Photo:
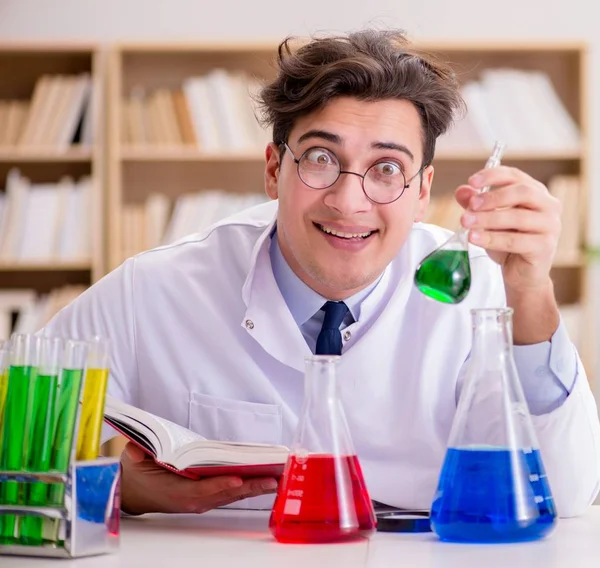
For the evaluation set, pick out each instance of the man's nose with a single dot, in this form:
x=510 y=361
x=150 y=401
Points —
x=346 y=195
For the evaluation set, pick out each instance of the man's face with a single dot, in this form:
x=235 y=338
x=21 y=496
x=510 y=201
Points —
x=359 y=134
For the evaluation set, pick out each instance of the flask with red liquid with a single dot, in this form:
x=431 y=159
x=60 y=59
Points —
x=322 y=496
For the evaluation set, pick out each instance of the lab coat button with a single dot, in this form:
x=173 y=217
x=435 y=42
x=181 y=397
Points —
x=249 y=324
x=347 y=335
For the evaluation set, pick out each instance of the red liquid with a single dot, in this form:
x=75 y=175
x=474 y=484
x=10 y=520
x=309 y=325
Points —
x=322 y=498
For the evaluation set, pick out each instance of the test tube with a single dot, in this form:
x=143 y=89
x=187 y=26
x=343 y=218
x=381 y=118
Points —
x=4 y=364
x=70 y=379
x=41 y=434
x=69 y=390
x=94 y=395
x=22 y=374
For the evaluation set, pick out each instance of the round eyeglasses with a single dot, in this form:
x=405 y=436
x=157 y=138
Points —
x=384 y=182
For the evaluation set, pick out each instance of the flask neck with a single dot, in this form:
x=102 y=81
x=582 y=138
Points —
x=322 y=426
x=492 y=331
x=320 y=380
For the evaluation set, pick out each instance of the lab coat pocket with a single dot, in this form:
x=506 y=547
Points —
x=229 y=419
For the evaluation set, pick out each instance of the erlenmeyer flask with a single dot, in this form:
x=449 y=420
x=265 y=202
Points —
x=492 y=486
x=322 y=496
x=445 y=274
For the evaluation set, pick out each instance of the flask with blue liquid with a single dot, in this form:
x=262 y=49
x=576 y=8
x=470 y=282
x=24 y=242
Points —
x=493 y=485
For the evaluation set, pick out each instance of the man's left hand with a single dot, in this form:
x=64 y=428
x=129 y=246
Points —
x=517 y=222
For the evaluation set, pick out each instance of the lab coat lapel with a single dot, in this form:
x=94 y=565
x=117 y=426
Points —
x=268 y=319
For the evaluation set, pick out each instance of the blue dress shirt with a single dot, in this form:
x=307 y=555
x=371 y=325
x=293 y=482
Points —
x=547 y=370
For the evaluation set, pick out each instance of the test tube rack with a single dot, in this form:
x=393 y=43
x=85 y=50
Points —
x=89 y=517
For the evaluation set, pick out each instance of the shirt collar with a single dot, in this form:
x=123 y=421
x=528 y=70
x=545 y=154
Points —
x=302 y=301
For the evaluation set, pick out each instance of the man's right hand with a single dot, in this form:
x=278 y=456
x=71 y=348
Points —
x=147 y=487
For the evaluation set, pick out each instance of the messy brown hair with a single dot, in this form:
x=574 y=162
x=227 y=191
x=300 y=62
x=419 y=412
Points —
x=369 y=65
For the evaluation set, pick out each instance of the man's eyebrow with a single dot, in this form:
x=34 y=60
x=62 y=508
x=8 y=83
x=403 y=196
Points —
x=323 y=134
x=393 y=146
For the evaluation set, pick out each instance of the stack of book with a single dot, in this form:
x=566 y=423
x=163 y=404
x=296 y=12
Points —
x=213 y=112
x=57 y=115
x=521 y=108
x=46 y=222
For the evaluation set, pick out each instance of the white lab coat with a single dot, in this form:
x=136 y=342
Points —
x=202 y=336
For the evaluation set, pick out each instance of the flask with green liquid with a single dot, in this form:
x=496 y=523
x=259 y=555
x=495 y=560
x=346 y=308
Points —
x=445 y=274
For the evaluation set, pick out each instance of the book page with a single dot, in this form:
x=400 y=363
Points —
x=165 y=436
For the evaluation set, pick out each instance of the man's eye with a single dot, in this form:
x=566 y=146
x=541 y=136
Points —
x=320 y=157
x=388 y=169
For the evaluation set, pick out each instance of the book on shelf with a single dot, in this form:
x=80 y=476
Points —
x=213 y=112
x=46 y=222
x=521 y=108
x=189 y=454
x=56 y=116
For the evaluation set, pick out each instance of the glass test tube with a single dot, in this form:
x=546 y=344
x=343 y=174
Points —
x=4 y=364
x=69 y=391
x=41 y=436
x=94 y=394
x=17 y=418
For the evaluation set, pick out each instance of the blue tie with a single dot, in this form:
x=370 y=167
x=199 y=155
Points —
x=329 y=341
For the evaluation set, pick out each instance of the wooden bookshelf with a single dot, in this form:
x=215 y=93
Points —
x=136 y=171
x=49 y=159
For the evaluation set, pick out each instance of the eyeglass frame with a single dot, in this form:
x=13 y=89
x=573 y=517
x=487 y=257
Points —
x=407 y=182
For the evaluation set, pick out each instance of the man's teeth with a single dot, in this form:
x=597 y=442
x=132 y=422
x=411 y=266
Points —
x=344 y=235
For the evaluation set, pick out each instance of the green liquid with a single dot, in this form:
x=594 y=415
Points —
x=68 y=400
x=40 y=450
x=445 y=276
x=14 y=439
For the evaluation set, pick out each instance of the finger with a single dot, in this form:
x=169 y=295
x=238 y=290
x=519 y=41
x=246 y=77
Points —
x=529 y=196
x=212 y=486
x=464 y=194
x=512 y=242
x=499 y=176
x=249 y=489
x=132 y=453
x=515 y=219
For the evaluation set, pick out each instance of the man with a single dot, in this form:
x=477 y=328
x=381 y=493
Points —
x=212 y=332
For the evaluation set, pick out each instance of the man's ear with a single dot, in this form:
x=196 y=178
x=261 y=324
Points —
x=272 y=157
x=424 y=193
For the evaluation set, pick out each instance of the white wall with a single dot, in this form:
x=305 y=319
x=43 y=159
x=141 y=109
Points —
x=109 y=20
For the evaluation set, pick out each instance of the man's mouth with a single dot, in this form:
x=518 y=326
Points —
x=343 y=234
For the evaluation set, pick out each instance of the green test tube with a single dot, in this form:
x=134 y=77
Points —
x=94 y=395
x=22 y=374
x=41 y=435
x=69 y=390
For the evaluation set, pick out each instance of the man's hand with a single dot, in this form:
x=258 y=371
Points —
x=518 y=223
x=148 y=488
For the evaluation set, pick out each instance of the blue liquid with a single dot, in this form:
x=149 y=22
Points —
x=485 y=496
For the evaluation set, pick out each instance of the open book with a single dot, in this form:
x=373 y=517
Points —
x=189 y=454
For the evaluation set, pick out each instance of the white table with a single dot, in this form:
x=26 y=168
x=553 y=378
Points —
x=241 y=538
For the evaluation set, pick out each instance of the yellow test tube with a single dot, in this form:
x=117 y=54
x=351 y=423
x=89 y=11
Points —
x=94 y=395
x=4 y=364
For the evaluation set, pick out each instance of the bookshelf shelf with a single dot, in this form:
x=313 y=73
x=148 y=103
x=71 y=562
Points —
x=26 y=155
x=132 y=154
x=480 y=156
x=145 y=154
x=46 y=267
